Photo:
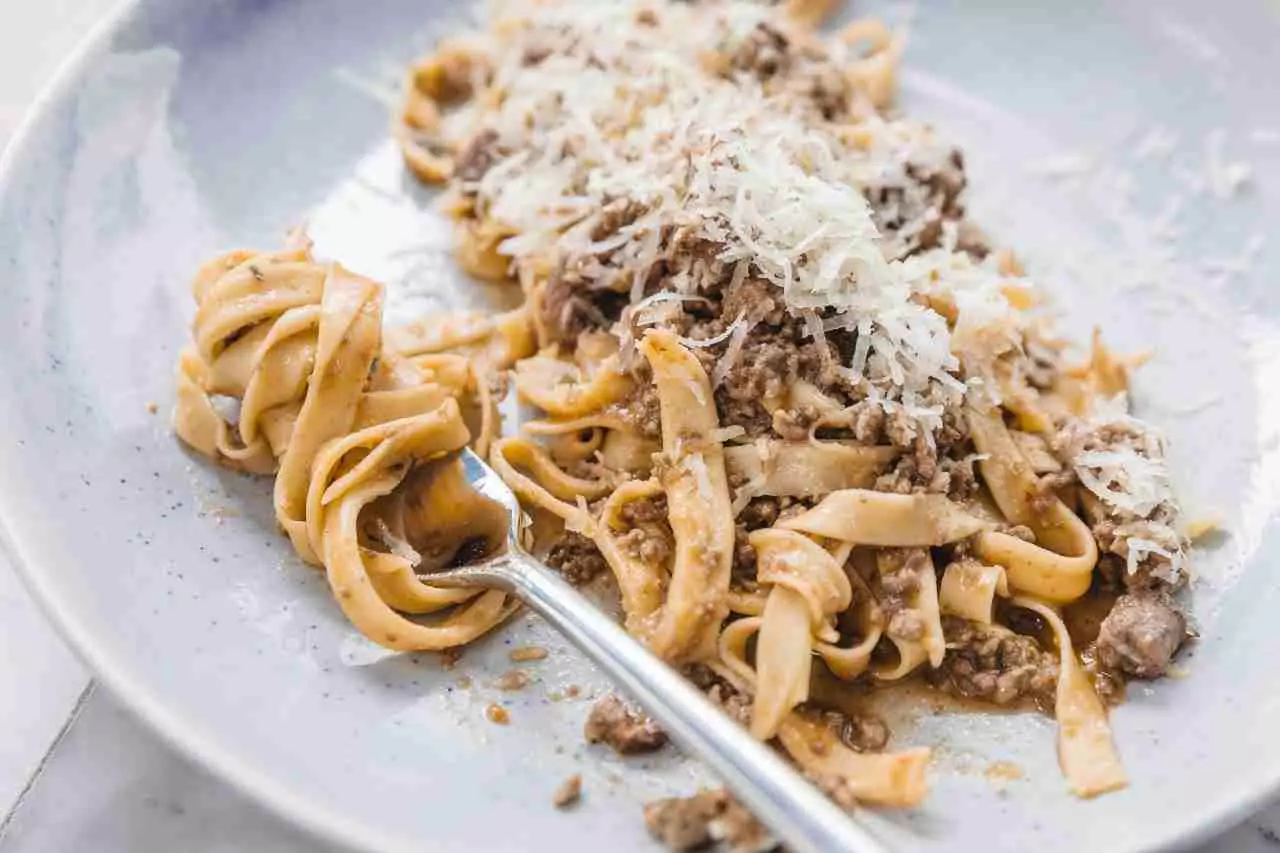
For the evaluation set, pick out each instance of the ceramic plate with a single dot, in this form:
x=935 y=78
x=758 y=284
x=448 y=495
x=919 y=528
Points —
x=1128 y=149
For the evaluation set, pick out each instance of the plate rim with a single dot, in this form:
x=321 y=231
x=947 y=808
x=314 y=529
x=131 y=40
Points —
x=147 y=703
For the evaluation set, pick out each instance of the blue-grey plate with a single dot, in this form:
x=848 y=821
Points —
x=1129 y=149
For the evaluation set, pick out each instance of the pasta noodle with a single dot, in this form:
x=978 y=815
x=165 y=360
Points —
x=808 y=589
x=1085 y=750
x=1061 y=569
x=341 y=421
x=784 y=469
x=693 y=477
x=771 y=377
x=642 y=585
x=885 y=779
x=889 y=779
x=969 y=589
x=866 y=517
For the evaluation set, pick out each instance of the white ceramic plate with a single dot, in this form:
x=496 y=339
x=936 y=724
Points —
x=1093 y=131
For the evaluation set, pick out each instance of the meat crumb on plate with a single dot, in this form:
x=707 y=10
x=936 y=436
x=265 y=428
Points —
x=696 y=822
x=627 y=731
x=569 y=792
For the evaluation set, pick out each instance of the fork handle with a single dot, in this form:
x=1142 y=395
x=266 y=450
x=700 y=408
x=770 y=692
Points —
x=797 y=812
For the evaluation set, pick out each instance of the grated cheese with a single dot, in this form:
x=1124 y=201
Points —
x=1131 y=475
x=700 y=343
x=732 y=353
x=615 y=110
x=1125 y=479
x=1140 y=549
x=697 y=466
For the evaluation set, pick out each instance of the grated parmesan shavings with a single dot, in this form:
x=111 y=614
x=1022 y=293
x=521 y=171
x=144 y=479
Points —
x=613 y=111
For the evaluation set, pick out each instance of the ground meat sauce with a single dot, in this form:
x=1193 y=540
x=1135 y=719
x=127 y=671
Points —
x=900 y=577
x=773 y=358
x=722 y=694
x=570 y=307
x=764 y=52
x=693 y=823
x=937 y=464
x=767 y=54
x=1113 y=533
x=757 y=514
x=627 y=731
x=795 y=424
x=930 y=195
x=648 y=546
x=1145 y=627
x=862 y=732
x=995 y=664
x=577 y=558
x=650 y=538
x=651 y=510
x=641 y=408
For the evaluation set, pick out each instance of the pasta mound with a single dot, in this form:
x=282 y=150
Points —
x=810 y=420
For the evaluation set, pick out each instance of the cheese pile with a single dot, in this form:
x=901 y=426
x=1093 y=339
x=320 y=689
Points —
x=605 y=101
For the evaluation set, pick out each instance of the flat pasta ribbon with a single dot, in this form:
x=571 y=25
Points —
x=866 y=517
x=1085 y=748
x=490 y=342
x=915 y=595
x=441 y=80
x=969 y=589
x=539 y=481
x=642 y=585
x=351 y=474
x=565 y=390
x=895 y=779
x=693 y=477
x=1058 y=566
x=619 y=446
x=804 y=469
x=807 y=589
x=864 y=619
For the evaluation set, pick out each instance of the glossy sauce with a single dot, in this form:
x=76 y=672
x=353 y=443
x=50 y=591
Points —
x=1084 y=616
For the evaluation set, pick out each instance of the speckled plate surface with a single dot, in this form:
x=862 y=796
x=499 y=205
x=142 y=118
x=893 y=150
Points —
x=1129 y=149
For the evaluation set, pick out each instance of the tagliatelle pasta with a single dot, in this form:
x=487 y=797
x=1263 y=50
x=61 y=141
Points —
x=342 y=422
x=1058 y=566
x=867 y=517
x=969 y=589
x=805 y=469
x=807 y=590
x=692 y=473
x=778 y=390
x=1085 y=749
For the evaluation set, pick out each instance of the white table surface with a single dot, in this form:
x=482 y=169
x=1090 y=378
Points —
x=78 y=773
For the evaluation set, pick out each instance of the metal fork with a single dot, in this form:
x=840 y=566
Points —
x=798 y=813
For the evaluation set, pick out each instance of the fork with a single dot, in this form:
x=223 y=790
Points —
x=801 y=817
